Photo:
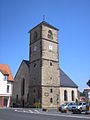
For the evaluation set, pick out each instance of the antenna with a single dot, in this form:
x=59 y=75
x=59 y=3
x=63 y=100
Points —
x=43 y=17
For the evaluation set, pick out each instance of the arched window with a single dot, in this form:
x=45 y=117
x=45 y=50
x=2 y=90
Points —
x=23 y=87
x=50 y=35
x=51 y=100
x=72 y=94
x=51 y=90
x=65 y=95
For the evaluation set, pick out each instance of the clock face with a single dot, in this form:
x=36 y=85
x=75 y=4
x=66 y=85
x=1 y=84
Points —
x=35 y=48
x=50 y=47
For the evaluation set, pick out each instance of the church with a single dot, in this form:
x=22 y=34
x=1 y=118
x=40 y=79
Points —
x=39 y=81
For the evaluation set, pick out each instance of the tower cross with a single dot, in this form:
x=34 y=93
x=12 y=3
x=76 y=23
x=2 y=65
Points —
x=43 y=17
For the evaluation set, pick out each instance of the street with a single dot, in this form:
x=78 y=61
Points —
x=38 y=114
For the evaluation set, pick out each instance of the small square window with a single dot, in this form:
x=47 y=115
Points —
x=50 y=77
x=51 y=90
x=50 y=63
x=51 y=100
x=5 y=78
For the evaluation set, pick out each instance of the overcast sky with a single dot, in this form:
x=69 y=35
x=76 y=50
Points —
x=71 y=17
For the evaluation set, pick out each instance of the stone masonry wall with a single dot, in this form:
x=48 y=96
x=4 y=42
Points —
x=23 y=73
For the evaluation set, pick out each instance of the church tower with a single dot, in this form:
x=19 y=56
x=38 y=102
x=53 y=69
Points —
x=44 y=84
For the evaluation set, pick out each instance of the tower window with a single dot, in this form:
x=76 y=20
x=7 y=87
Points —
x=50 y=63
x=50 y=77
x=50 y=35
x=51 y=100
x=51 y=90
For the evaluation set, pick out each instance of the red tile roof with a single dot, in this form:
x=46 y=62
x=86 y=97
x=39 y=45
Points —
x=4 y=68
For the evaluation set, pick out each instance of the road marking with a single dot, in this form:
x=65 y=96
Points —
x=50 y=114
x=36 y=111
x=30 y=111
x=15 y=110
x=71 y=116
x=24 y=111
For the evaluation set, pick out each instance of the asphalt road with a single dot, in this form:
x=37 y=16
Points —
x=33 y=114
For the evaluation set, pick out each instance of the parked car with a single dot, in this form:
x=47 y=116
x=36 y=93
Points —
x=71 y=106
x=79 y=108
x=67 y=106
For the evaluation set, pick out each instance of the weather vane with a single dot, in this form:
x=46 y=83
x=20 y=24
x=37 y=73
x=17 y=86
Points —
x=43 y=17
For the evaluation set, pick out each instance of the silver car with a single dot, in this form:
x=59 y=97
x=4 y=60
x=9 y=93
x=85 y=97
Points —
x=80 y=107
x=67 y=106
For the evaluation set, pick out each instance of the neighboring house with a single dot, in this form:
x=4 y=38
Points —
x=86 y=91
x=6 y=82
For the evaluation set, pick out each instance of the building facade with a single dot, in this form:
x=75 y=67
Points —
x=46 y=83
x=6 y=84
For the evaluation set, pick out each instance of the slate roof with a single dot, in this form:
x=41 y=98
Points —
x=65 y=81
x=4 y=68
x=46 y=24
x=27 y=62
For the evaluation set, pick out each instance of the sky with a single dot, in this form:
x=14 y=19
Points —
x=71 y=17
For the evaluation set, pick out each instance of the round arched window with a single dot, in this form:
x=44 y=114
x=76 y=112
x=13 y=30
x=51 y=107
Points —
x=50 y=35
x=65 y=95
x=72 y=95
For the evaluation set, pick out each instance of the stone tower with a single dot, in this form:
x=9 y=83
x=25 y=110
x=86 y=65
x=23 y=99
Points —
x=44 y=83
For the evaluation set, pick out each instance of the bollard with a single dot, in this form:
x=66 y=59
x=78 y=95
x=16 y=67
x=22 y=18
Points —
x=57 y=109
